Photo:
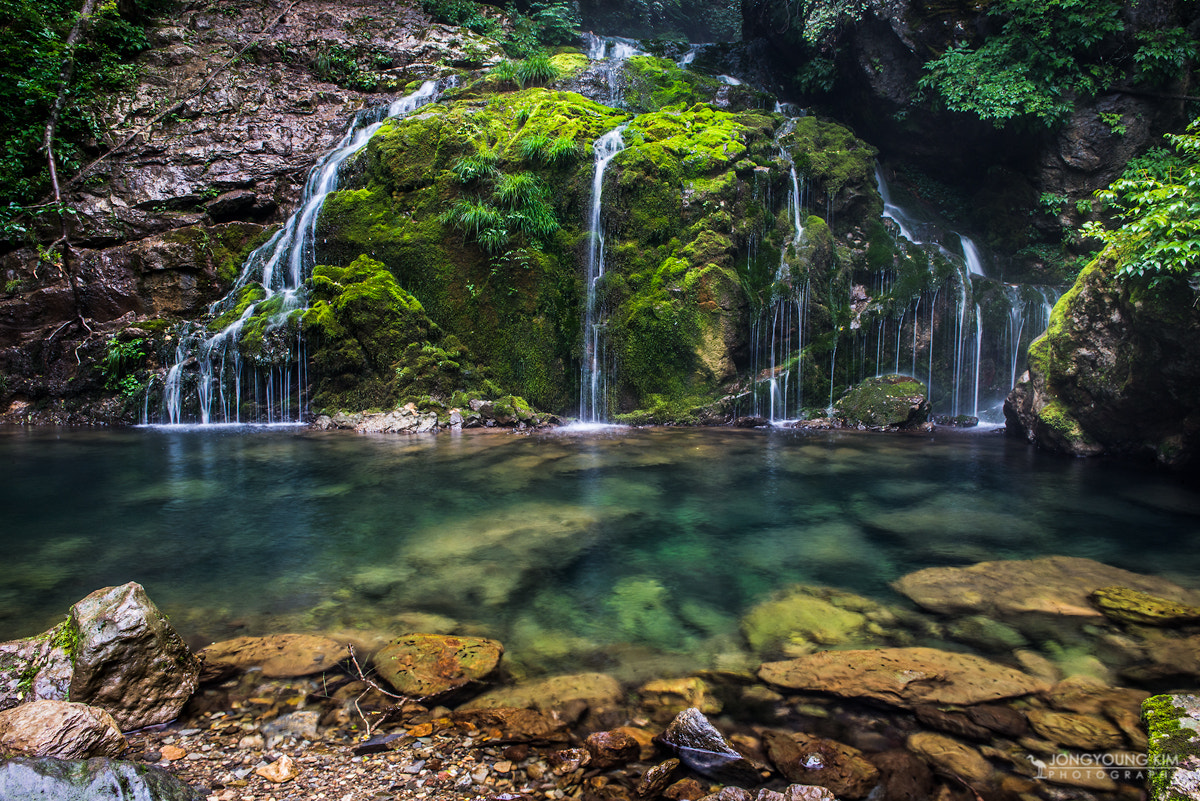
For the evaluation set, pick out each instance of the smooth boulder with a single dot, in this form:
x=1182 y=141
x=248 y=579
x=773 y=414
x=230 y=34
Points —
x=904 y=677
x=280 y=656
x=47 y=728
x=436 y=665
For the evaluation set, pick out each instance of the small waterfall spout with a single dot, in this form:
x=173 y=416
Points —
x=265 y=381
x=608 y=53
x=593 y=386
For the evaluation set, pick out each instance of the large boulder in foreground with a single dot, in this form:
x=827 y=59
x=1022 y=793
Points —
x=1116 y=371
x=1053 y=585
x=116 y=650
x=60 y=729
x=87 y=780
x=437 y=665
x=904 y=677
x=889 y=401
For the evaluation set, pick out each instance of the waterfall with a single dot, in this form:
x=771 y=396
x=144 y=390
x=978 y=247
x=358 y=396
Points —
x=271 y=282
x=593 y=386
x=609 y=53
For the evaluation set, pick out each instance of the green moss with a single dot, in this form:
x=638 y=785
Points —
x=1055 y=416
x=568 y=65
x=840 y=165
x=891 y=400
x=246 y=297
x=1169 y=742
x=223 y=247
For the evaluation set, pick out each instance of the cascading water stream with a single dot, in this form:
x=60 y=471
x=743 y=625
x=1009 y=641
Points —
x=611 y=52
x=593 y=385
x=224 y=380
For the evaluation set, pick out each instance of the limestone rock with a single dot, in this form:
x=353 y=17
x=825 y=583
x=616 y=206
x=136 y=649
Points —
x=656 y=778
x=279 y=655
x=611 y=748
x=951 y=756
x=1085 y=732
x=512 y=725
x=1053 y=585
x=597 y=690
x=666 y=698
x=60 y=729
x=129 y=659
x=86 y=780
x=890 y=401
x=1131 y=606
x=810 y=760
x=281 y=770
x=115 y=651
x=902 y=676
x=434 y=665
x=705 y=750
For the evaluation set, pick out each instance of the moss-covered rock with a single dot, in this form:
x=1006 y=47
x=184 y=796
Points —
x=1174 y=752
x=1115 y=371
x=890 y=401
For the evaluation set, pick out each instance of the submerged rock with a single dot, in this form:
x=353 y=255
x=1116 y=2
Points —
x=803 y=618
x=705 y=750
x=279 y=655
x=116 y=650
x=435 y=665
x=902 y=676
x=596 y=690
x=890 y=401
x=87 y=780
x=1053 y=585
x=60 y=729
x=950 y=756
x=1131 y=606
x=809 y=760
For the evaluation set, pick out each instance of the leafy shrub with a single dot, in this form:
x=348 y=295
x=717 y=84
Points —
x=1157 y=201
x=536 y=70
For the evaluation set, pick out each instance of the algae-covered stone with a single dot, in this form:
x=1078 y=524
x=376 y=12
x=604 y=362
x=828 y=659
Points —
x=801 y=618
x=890 y=401
x=435 y=665
x=597 y=690
x=902 y=676
x=1132 y=606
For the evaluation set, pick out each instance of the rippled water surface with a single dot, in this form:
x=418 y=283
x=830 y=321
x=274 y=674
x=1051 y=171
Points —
x=575 y=549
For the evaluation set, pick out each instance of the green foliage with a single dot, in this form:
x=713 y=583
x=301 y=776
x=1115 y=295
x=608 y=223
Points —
x=1157 y=202
x=474 y=167
x=536 y=70
x=505 y=72
x=32 y=54
x=1163 y=55
x=533 y=147
x=464 y=13
x=523 y=214
x=119 y=362
x=1047 y=51
x=339 y=65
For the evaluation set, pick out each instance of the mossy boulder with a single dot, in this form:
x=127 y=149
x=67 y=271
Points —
x=1133 y=606
x=1174 y=752
x=890 y=401
x=1115 y=371
x=437 y=665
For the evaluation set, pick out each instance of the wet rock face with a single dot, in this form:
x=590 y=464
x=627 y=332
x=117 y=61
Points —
x=1114 y=373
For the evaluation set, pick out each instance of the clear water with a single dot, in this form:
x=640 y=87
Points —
x=576 y=548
